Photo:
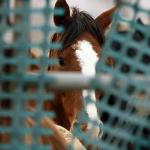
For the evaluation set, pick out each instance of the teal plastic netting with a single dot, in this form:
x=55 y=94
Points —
x=124 y=103
x=21 y=95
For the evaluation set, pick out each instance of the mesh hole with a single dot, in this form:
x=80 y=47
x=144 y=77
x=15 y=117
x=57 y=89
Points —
x=18 y=19
x=133 y=110
x=47 y=88
x=31 y=105
x=38 y=19
x=127 y=13
x=111 y=61
x=130 y=146
x=131 y=52
x=48 y=105
x=46 y=139
x=30 y=87
x=6 y=104
x=35 y=53
x=5 y=138
x=146 y=133
x=9 y=68
x=139 y=71
x=29 y=122
x=116 y=46
x=19 y=4
x=146 y=59
x=131 y=89
x=100 y=95
x=8 y=86
x=34 y=68
x=125 y=68
x=105 y=117
x=18 y=36
x=141 y=95
x=112 y=100
x=145 y=147
x=9 y=52
x=37 y=36
x=113 y=139
x=10 y=36
x=27 y=139
x=138 y=36
x=5 y=121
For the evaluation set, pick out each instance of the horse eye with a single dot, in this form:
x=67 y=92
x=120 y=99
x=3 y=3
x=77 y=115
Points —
x=61 y=61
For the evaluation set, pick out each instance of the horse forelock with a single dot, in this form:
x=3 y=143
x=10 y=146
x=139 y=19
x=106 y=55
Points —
x=79 y=23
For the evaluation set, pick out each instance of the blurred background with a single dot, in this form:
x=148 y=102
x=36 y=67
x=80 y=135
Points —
x=94 y=7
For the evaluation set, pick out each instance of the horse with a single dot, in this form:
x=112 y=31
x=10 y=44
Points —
x=82 y=43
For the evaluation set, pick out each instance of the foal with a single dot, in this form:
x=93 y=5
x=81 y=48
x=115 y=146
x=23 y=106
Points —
x=82 y=44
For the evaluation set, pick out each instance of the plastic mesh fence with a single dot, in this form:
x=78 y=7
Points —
x=21 y=95
x=124 y=104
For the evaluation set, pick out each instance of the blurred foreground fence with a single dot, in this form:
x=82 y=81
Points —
x=125 y=100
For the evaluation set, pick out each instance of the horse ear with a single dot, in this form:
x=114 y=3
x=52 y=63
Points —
x=60 y=20
x=105 y=19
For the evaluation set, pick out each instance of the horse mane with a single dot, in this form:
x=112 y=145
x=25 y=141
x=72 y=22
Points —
x=78 y=23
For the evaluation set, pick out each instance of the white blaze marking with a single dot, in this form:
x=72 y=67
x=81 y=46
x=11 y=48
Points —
x=88 y=58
